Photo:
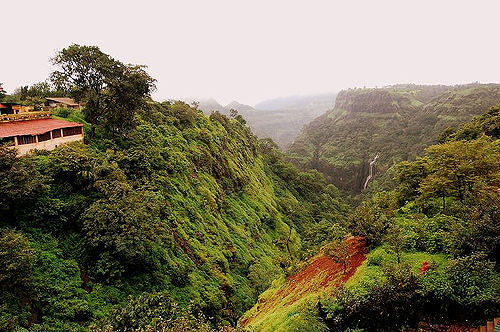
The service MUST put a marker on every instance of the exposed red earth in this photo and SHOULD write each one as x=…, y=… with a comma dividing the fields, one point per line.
x=323, y=273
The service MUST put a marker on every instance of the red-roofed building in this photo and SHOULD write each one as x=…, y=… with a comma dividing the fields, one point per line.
x=54, y=102
x=39, y=134
x=14, y=108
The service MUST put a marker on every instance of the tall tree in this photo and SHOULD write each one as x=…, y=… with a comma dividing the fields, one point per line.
x=2, y=92
x=111, y=90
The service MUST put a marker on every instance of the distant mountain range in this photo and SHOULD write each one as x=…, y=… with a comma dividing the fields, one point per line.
x=280, y=118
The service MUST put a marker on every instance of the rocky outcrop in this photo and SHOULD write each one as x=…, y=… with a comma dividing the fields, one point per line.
x=366, y=100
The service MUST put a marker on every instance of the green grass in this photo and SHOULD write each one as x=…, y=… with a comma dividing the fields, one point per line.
x=371, y=271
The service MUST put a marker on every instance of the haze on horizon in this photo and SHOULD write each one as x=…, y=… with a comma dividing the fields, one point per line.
x=255, y=50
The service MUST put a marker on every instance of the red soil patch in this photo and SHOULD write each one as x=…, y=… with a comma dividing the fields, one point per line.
x=323, y=273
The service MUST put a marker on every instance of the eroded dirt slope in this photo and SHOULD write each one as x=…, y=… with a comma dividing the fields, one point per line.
x=324, y=272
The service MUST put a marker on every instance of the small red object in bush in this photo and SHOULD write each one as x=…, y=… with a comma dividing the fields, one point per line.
x=425, y=267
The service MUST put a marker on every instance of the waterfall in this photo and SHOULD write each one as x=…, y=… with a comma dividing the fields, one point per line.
x=370, y=175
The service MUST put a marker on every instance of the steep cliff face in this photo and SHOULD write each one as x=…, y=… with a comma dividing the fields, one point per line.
x=370, y=101
x=396, y=122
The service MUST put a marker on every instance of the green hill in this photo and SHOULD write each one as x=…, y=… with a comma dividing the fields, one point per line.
x=186, y=208
x=170, y=220
x=396, y=122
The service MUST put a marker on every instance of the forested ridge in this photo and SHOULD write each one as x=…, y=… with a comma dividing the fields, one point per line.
x=280, y=119
x=396, y=122
x=168, y=219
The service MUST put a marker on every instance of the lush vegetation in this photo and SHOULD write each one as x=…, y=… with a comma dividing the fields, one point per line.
x=171, y=220
x=435, y=243
x=168, y=221
x=396, y=122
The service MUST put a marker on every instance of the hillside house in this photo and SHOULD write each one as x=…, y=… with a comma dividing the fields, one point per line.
x=15, y=108
x=52, y=103
x=39, y=134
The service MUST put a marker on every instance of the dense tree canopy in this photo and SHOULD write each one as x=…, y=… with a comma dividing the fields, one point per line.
x=446, y=203
x=395, y=122
x=112, y=91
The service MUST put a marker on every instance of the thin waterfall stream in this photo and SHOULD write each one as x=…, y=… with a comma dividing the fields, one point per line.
x=370, y=175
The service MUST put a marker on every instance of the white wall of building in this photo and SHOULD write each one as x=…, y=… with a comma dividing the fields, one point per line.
x=47, y=145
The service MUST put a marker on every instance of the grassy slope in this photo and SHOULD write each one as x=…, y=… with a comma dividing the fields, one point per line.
x=290, y=305
x=283, y=305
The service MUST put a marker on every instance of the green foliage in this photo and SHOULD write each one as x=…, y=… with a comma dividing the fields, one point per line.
x=2, y=92
x=74, y=115
x=124, y=225
x=445, y=203
x=371, y=219
x=390, y=304
x=174, y=221
x=16, y=279
x=20, y=185
x=475, y=285
x=154, y=312
x=487, y=124
x=461, y=168
x=112, y=91
x=35, y=94
x=385, y=295
x=186, y=205
x=16, y=260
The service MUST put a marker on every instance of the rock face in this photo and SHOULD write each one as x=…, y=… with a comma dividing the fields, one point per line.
x=370, y=101
x=397, y=121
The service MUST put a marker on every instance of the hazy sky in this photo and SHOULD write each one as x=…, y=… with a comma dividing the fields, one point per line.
x=253, y=50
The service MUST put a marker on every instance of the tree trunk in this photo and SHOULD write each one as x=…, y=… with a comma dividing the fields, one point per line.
x=288, y=242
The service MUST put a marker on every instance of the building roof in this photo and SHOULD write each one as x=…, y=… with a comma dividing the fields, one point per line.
x=33, y=127
x=63, y=100
x=3, y=106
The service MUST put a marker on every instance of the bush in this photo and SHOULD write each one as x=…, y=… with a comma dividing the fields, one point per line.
x=62, y=112
x=16, y=260
x=153, y=312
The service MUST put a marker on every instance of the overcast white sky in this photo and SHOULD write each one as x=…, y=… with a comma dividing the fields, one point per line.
x=253, y=50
